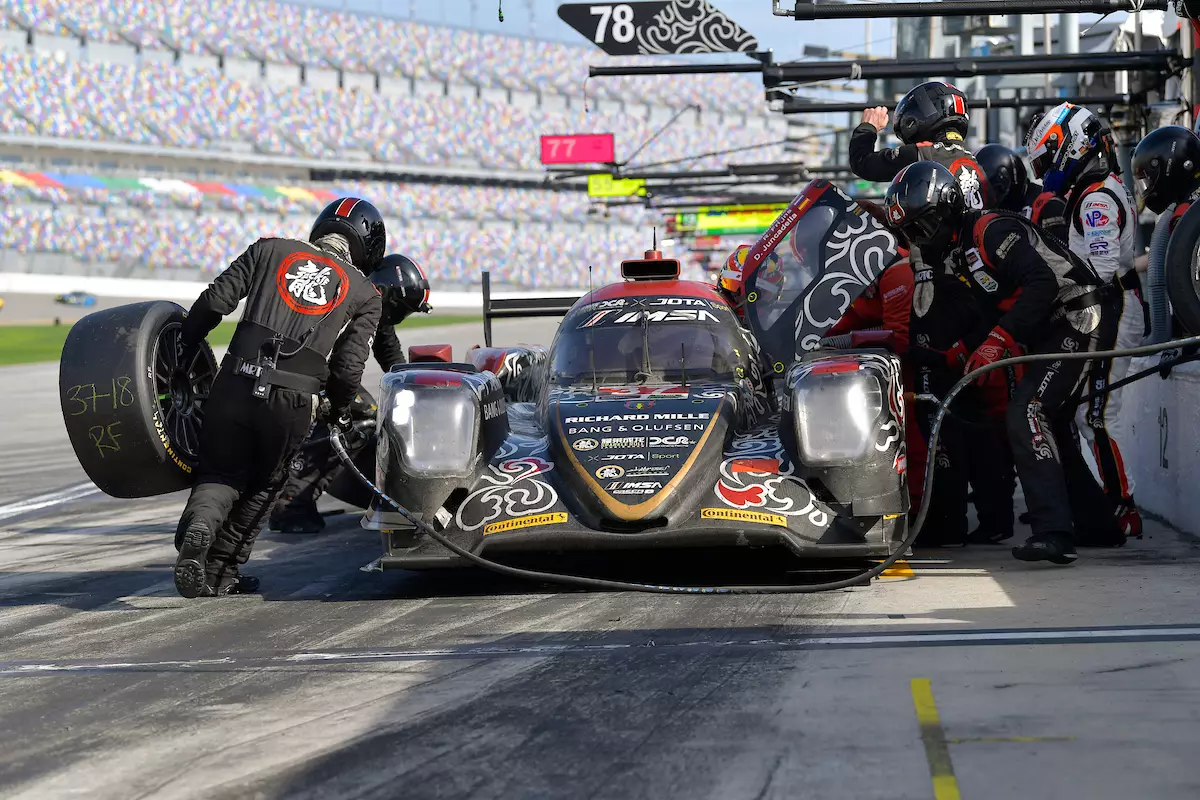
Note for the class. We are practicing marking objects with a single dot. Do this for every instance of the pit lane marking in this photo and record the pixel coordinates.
(1111, 635)
(57, 497)
(937, 752)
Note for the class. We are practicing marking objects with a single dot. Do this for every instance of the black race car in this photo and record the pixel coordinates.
(659, 419)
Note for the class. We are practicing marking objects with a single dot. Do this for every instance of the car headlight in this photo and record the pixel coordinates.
(835, 414)
(434, 427)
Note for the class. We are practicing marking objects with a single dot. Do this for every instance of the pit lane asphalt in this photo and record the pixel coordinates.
(340, 683)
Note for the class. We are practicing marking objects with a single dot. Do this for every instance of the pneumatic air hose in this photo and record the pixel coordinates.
(845, 583)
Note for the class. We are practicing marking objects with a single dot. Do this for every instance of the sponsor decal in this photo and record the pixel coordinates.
(670, 426)
(670, 441)
(639, 405)
(620, 457)
(648, 472)
(923, 276)
(666, 456)
(623, 442)
(1098, 246)
(1007, 245)
(584, 444)
(986, 281)
(591, 429)
(974, 260)
(531, 521)
(733, 515)
(634, 487)
(1095, 219)
(635, 418)
(674, 315)
(677, 301)
(493, 409)
(599, 315)
(161, 430)
(610, 472)
(896, 292)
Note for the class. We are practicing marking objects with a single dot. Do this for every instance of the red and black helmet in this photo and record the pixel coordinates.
(931, 109)
(362, 226)
(403, 286)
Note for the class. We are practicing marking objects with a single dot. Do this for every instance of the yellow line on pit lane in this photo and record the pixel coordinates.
(941, 771)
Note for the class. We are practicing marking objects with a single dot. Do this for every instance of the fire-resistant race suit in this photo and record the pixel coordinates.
(1046, 210)
(943, 313)
(308, 325)
(1042, 300)
(1102, 222)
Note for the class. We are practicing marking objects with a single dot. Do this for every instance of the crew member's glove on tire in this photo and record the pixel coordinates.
(998, 345)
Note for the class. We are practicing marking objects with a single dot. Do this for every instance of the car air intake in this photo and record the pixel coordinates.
(651, 268)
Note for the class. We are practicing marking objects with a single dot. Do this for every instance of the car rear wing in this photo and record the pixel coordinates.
(516, 307)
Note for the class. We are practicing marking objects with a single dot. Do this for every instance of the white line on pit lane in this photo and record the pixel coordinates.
(917, 639)
(54, 498)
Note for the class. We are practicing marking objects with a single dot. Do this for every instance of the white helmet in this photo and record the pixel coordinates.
(1062, 144)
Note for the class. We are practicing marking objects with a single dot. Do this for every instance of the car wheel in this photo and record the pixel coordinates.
(1182, 265)
(134, 428)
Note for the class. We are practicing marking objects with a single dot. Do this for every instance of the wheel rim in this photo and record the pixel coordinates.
(181, 400)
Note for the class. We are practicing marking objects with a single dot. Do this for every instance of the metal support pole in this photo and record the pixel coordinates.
(1068, 39)
(967, 8)
(487, 308)
(1047, 48)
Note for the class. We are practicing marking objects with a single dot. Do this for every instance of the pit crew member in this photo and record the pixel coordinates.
(308, 325)
(404, 290)
(1072, 152)
(1036, 297)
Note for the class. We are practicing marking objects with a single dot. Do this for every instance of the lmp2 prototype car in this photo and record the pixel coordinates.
(659, 419)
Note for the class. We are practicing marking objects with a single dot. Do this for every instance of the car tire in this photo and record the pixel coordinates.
(135, 431)
(1182, 265)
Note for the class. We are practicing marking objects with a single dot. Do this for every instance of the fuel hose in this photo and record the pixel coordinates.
(335, 439)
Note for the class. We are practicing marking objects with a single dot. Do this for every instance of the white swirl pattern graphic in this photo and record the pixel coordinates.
(692, 26)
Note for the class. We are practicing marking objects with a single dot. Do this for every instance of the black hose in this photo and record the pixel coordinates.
(845, 583)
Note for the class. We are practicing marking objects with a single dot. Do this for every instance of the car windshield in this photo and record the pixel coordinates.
(787, 270)
(646, 340)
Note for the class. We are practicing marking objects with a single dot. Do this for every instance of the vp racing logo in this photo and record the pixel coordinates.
(311, 284)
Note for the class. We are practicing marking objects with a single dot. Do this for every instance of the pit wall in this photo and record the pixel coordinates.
(1163, 448)
(184, 292)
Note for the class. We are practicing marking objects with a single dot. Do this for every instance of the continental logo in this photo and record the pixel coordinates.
(166, 443)
(733, 515)
(525, 522)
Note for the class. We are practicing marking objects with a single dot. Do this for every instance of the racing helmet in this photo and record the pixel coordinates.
(362, 226)
(1166, 167)
(930, 109)
(731, 282)
(403, 286)
(926, 203)
(1063, 143)
(1005, 173)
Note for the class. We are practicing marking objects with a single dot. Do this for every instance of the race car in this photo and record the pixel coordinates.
(76, 299)
(658, 419)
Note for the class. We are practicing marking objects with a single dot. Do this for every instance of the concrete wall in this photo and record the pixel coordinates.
(243, 69)
(395, 85)
(1163, 448)
(321, 78)
(282, 74)
(203, 63)
(111, 53)
(45, 43)
(153, 55)
(363, 81)
(11, 39)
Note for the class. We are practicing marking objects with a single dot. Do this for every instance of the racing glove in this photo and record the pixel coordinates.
(998, 345)
(954, 358)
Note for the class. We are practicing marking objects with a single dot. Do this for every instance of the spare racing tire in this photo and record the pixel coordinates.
(1183, 270)
(134, 428)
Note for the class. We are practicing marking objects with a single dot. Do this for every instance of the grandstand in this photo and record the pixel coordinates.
(159, 137)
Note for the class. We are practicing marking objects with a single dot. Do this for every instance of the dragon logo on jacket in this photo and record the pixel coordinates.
(857, 253)
(513, 486)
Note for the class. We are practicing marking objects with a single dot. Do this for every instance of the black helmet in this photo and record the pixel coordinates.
(926, 203)
(1005, 172)
(929, 109)
(360, 223)
(404, 288)
(1166, 167)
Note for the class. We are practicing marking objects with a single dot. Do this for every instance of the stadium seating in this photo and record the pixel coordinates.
(532, 238)
(282, 32)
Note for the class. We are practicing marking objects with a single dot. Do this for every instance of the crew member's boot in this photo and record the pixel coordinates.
(190, 576)
(301, 516)
(1057, 548)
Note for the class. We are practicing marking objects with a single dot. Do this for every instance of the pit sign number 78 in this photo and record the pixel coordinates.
(621, 17)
